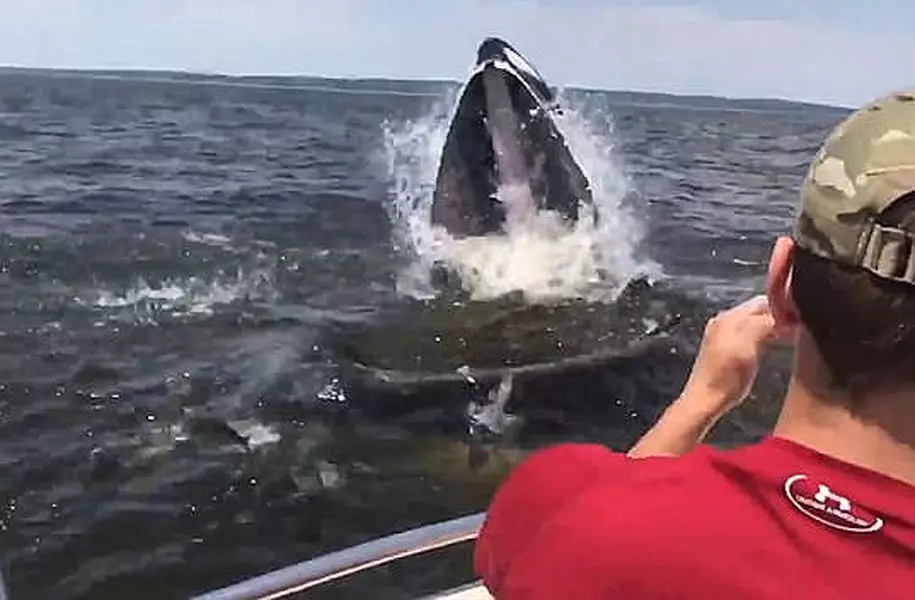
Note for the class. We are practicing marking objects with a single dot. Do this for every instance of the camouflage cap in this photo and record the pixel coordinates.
(865, 164)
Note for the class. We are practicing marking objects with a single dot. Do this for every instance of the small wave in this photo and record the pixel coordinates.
(185, 296)
(257, 433)
(207, 239)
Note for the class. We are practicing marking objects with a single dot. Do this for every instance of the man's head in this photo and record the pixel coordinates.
(846, 277)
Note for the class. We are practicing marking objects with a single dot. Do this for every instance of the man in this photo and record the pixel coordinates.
(824, 507)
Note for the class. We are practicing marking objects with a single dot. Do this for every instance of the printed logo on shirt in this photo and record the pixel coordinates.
(823, 504)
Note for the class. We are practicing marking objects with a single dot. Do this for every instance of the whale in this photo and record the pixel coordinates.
(504, 159)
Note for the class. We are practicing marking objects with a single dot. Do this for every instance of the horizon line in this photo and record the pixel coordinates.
(94, 71)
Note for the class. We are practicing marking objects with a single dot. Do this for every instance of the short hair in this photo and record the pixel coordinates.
(863, 325)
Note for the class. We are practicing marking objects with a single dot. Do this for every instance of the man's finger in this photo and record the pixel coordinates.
(756, 304)
(759, 326)
(781, 336)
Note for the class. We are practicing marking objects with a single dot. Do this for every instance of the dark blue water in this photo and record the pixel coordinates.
(174, 256)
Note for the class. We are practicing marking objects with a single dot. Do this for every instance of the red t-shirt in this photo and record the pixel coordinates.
(766, 521)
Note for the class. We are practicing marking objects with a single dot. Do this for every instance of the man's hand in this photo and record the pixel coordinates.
(728, 360)
(721, 378)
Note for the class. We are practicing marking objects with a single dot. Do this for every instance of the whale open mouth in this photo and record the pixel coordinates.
(504, 158)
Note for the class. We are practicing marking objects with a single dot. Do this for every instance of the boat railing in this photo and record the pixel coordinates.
(328, 567)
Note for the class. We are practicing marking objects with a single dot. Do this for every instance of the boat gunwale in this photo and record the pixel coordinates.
(331, 566)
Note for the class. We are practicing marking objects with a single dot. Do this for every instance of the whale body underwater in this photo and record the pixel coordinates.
(504, 159)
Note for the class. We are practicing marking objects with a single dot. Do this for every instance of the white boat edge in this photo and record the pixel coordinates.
(471, 591)
(297, 578)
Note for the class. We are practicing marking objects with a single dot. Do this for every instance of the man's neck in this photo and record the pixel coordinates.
(879, 436)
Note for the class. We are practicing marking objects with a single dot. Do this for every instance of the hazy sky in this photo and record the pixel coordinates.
(840, 51)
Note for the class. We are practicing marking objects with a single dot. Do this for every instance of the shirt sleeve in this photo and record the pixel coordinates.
(535, 492)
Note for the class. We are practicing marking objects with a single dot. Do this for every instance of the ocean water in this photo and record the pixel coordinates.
(179, 254)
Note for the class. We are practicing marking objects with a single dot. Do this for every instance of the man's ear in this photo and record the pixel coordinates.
(778, 285)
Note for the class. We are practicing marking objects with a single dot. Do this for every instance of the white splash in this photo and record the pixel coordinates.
(183, 296)
(537, 258)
